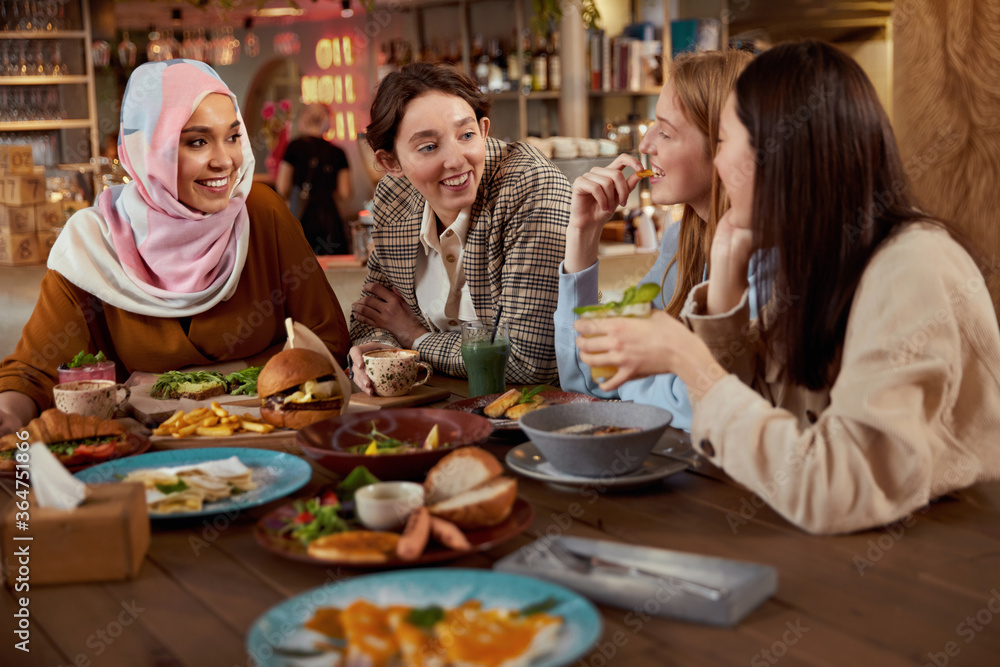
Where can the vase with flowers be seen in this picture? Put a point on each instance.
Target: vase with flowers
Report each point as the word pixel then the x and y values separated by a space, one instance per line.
pixel 277 123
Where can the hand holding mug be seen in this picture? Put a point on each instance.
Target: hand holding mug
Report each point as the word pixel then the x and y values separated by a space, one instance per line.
pixel 394 372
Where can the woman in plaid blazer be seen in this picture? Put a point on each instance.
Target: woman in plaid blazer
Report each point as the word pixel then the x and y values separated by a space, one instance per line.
pixel 506 202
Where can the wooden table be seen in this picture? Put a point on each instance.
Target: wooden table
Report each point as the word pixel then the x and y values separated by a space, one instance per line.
pixel 923 591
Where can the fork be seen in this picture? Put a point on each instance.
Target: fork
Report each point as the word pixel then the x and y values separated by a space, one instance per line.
pixel 583 564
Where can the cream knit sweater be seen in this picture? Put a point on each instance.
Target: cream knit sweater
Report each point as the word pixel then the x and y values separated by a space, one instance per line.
pixel 913 413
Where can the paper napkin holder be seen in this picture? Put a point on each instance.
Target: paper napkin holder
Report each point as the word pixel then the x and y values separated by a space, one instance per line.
pixel 104 539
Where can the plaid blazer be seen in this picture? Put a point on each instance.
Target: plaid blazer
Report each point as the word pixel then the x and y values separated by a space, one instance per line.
pixel 516 241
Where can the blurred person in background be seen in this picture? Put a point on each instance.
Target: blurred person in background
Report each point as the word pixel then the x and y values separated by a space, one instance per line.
pixel 315 179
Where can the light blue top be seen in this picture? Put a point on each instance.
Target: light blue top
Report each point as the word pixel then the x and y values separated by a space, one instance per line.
pixel 580 289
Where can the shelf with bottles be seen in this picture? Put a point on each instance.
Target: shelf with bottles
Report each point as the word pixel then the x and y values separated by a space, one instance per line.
pixel 44 34
pixel 42 16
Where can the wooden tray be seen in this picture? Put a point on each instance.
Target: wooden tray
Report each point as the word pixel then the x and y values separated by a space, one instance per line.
pixel 420 395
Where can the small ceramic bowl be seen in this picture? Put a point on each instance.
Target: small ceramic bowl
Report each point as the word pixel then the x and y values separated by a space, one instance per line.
pixel 596 455
pixel 387 505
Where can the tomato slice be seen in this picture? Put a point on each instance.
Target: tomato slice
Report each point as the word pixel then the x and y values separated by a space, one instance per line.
pixel 103 451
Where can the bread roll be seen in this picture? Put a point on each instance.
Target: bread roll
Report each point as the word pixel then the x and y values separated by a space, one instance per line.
pixel 485 505
pixel 460 471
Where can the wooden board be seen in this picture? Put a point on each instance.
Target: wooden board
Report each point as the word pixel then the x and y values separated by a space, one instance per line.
pixel 421 395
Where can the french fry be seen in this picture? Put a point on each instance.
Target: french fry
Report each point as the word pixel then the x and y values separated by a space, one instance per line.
pixel 256 427
pixel 173 418
pixel 187 430
pixel 196 414
pixel 214 431
pixel 219 410
pixel 209 421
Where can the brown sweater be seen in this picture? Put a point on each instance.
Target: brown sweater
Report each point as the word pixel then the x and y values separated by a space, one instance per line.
pixel 281 279
pixel 914 412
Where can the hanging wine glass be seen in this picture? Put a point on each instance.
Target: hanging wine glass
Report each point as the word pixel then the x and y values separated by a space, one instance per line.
pixel 251 42
pixel 59 68
pixel 126 51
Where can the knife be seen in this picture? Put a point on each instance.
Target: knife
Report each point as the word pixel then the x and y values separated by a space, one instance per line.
pixel 581 563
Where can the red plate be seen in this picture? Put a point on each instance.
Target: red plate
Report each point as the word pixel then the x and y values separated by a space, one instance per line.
pixel 140 444
pixel 476 405
pixel 266 532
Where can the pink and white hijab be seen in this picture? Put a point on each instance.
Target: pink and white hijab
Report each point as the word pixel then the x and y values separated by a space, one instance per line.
pixel 140 249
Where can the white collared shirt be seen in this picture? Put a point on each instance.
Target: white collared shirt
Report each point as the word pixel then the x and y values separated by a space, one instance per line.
pixel 442 293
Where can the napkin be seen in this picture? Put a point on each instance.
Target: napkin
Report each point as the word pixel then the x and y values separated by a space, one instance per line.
pixel 53 484
pixel 301 336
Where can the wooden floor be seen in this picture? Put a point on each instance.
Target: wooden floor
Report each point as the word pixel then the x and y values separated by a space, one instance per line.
pixel 924 591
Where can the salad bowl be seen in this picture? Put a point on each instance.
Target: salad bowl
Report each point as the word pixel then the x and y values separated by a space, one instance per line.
pixel 340 444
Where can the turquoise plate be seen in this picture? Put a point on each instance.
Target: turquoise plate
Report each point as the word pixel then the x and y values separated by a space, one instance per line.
pixel 281 627
pixel 276 474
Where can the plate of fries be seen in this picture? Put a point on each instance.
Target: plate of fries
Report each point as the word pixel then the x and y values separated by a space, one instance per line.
pixel 214 421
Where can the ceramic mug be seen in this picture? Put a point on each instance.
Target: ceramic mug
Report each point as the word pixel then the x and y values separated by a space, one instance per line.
pixel 97 398
pixel 395 372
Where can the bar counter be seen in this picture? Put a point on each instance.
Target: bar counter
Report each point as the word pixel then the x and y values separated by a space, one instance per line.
pixel 925 590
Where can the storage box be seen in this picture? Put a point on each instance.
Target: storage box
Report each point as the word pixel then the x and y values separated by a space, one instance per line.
pixel 18 249
pixel 16 160
pixel 48 215
pixel 17 219
pixel 104 539
pixel 46 239
pixel 21 189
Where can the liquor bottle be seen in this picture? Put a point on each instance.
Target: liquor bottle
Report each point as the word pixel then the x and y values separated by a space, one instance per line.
pixel 481 63
pixel 540 67
pixel 527 63
pixel 555 63
pixel 497 79
pixel 514 63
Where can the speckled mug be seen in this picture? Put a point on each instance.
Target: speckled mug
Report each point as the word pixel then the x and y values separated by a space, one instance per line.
pixel 395 372
pixel 98 398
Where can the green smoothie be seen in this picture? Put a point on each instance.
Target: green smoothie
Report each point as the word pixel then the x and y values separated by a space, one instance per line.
pixel 486 364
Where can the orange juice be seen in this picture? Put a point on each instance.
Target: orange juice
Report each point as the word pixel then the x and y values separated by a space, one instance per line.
pixel 605 373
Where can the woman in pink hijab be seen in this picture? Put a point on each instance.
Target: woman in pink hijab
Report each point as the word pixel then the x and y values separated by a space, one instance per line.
pixel 188 264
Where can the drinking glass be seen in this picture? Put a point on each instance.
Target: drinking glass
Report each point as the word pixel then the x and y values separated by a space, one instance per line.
pixel 485 357
pixel 603 373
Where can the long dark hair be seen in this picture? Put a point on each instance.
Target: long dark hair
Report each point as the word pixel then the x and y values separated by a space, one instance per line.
pixel 398 89
pixel 829 188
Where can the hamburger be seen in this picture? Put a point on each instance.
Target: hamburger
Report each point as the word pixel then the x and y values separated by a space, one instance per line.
pixel 298 387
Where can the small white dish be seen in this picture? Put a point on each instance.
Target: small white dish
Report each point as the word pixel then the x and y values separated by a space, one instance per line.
pixel 387 505
pixel 526 459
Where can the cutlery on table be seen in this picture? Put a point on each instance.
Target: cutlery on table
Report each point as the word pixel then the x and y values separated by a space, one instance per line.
pixel 586 564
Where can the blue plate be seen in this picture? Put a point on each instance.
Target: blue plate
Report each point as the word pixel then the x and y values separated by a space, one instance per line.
pixel 276 474
pixel 281 626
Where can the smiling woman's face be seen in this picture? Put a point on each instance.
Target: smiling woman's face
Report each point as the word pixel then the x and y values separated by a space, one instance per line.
pixel 441 149
pixel 209 155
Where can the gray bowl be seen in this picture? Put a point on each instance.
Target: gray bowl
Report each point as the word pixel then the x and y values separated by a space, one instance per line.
pixel 596 455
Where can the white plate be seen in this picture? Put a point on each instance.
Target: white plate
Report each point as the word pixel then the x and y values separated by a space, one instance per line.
pixel 527 460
